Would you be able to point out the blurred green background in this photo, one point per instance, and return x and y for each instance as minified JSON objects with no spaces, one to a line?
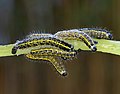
{"x":89,"y":73}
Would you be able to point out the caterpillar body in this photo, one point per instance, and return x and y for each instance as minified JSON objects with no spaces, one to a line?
{"x":97,"y":33}
{"x":75,"y":34}
{"x":39,"y":41}
{"x":53,"y":52}
{"x":54,"y":60}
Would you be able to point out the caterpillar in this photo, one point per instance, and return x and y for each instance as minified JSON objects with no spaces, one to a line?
{"x":54,"y":60}
{"x":97,"y":33}
{"x":39,"y":41}
{"x":53,"y":52}
{"x":75,"y":34}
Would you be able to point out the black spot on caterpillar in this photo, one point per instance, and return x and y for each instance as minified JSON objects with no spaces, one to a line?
{"x":75,"y":34}
{"x":39,"y":41}
{"x":97,"y":33}
{"x":53,"y":52}
{"x":54,"y":60}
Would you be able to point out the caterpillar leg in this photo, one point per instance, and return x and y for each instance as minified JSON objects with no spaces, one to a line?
{"x":95,"y":42}
{"x":75,"y":34}
{"x":97,"y":33}
{"x":54,"y":61}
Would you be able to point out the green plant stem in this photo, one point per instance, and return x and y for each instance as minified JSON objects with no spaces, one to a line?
{"x":105,"y":46}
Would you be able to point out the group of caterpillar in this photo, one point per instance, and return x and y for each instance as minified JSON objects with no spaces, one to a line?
{"x":52,"y":47}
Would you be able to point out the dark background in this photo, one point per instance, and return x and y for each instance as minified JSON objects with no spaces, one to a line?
{"x":89,"y":73}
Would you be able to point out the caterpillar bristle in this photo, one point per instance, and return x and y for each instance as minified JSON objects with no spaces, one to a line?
{"x":38,"y":35}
